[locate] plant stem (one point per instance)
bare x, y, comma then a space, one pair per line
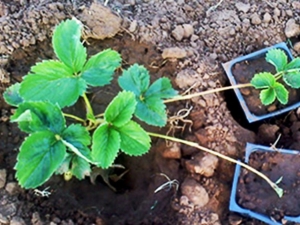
74, 117
99, 115
277, 189
185, 97
89, 109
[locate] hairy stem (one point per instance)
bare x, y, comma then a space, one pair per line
186, 97
74, 117
277, 189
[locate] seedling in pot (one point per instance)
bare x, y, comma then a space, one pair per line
55, 146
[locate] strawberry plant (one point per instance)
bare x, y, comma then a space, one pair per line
272, 89
55, 145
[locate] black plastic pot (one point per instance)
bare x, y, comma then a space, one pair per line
228, 67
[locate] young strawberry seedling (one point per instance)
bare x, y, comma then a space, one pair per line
53, 146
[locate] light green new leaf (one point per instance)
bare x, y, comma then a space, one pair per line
39, 116
136, 79
52, 67
267, 96
294, 64
263, 80
106, 145
67, 45
40, 156
120, 109
134, 139
12, 95
51, 87
292, 79
281, 92
161, 88
99, 68
152, 111
277, 58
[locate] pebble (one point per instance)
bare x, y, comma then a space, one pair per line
276, 12
242, 7
173, 151
178, 33
133, 26
255, 19
12, 188
174, 52
17, 221
272, 108
292, 29
296, 5
267, 18
297, 47
188, 30
3, 175
195, 192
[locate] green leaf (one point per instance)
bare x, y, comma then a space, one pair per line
120, 109
80, 168
281, 92
99, 68
161, 88
76, 135
294, 64
292, 79
267, 96
52, 67
263, 80
152, 111
134, 139
277, 58
40, 156
136, 79
106, 144
52, 85
67, 45
39, 116
12, 95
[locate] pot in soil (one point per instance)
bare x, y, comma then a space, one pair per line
242, 69
253, 197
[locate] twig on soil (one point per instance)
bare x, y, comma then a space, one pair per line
169, 184
43, 193
214, 7
273, 146
106, 2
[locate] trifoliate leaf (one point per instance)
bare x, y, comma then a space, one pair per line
40, 156
267, 96
152, 111
134, 139
67, 45
99, 68
263, 80
294, 64
136, 79
277, 58
12, 95
39, 116
77, 135
54, 87
120, 109
52, 67
281, 92
106, 145
292, 79
161, 88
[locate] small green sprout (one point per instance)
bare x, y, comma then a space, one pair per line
272, 89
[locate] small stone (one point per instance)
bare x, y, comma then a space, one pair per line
188, 30
289, 12
255, 19
194, 37
178, 33
297, 47
12, 188
172, 151
267, 18
242, 7
272, 108
17, 221
292, 29
174, 52
195, 192
202, 165
3, 175
133, 26
131, 2
232, 31
296, 5
276, 12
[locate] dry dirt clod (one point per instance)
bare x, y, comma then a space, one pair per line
2, 178
255, 19
292, 29
12, 188
178, 33
297, 47
174, 52
202, 165
242, 7
172, 150
195, 192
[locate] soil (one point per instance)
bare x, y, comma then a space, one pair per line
243, 73
256, 195
183, 40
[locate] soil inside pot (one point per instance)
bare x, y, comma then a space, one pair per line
243, 73
255, 194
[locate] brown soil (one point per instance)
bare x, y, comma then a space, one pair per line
243, 73
146, 32
256, 195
